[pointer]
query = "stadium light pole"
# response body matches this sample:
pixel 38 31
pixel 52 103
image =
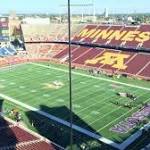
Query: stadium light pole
pixel 70 75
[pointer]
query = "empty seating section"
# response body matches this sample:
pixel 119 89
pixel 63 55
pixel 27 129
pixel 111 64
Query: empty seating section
pixel 146 29
pixel 38 32
pixel 45 33
pixel 51 32
pixel 4 123
pixel 46 50
pixel 9 136
pixel 64 53
pixel 116 36
pixel 104 30
pixel 21 135
pixel 36 146
pixel 114 41
pixel 111 35
pixel 128 58
pixel 6 51
pixel 14 137
pixel 125 40
pixel 131 42
pixel 145 71
pixel 106 65
pixel 86 38
pixel 91 53
pixel 137 63
pixel 10 60
pixel 110 60
pixel 3 61
pixel 58 47
pixel 93 61
pixel 78 51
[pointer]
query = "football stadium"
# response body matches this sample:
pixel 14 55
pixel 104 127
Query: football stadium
pixel 78 86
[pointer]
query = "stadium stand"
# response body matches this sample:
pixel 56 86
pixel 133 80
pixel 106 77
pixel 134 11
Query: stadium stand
pixel 114 42
pixel 43 50
pixel 14 136
pixel 109 60
pixel 46 33
pixel 6 51
pixel 135 37
pixel 51 32
pixel 146 29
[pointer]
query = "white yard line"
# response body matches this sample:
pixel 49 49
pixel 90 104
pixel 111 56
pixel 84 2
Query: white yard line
pixel 87 107
pixel 108 113
pixel 78 99
pixel 76 93
pixel 94 103
pixel 59 95
pixel 119 116
pixel 89 76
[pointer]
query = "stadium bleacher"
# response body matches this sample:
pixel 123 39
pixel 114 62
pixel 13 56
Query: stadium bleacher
pixel 109 59
pixel 6 51
pixel 13 136
pixel 111 35
pixel 52 32
pixel 130 37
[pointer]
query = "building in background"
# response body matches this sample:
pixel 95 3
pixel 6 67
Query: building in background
pixel 36 20
pixel 106 13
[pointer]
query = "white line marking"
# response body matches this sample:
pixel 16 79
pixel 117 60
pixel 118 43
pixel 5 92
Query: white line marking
pixel 107 114
pixel 33 91
pixel 83 82
pixel 21 87
pixel 97 86
pixel 146 65
pixel 95 112
pixel 99 78
pixel 2 80
pixel 60 100
pixel 12 83
pixel 46 95
pixel 120 116
pixel 76 106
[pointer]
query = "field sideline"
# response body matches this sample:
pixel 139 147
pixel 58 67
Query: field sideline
pixel 36 85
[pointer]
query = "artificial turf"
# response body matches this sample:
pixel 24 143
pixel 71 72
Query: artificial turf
pixel 93 97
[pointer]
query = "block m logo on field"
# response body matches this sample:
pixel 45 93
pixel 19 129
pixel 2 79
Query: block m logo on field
pixel 115 60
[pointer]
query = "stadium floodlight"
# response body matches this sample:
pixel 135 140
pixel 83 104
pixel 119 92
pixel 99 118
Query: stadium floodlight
pixel 80 5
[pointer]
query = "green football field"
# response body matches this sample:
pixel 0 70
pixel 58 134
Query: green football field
pixel 45 86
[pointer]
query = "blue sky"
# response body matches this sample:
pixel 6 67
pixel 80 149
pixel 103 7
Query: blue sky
pixel 53 6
